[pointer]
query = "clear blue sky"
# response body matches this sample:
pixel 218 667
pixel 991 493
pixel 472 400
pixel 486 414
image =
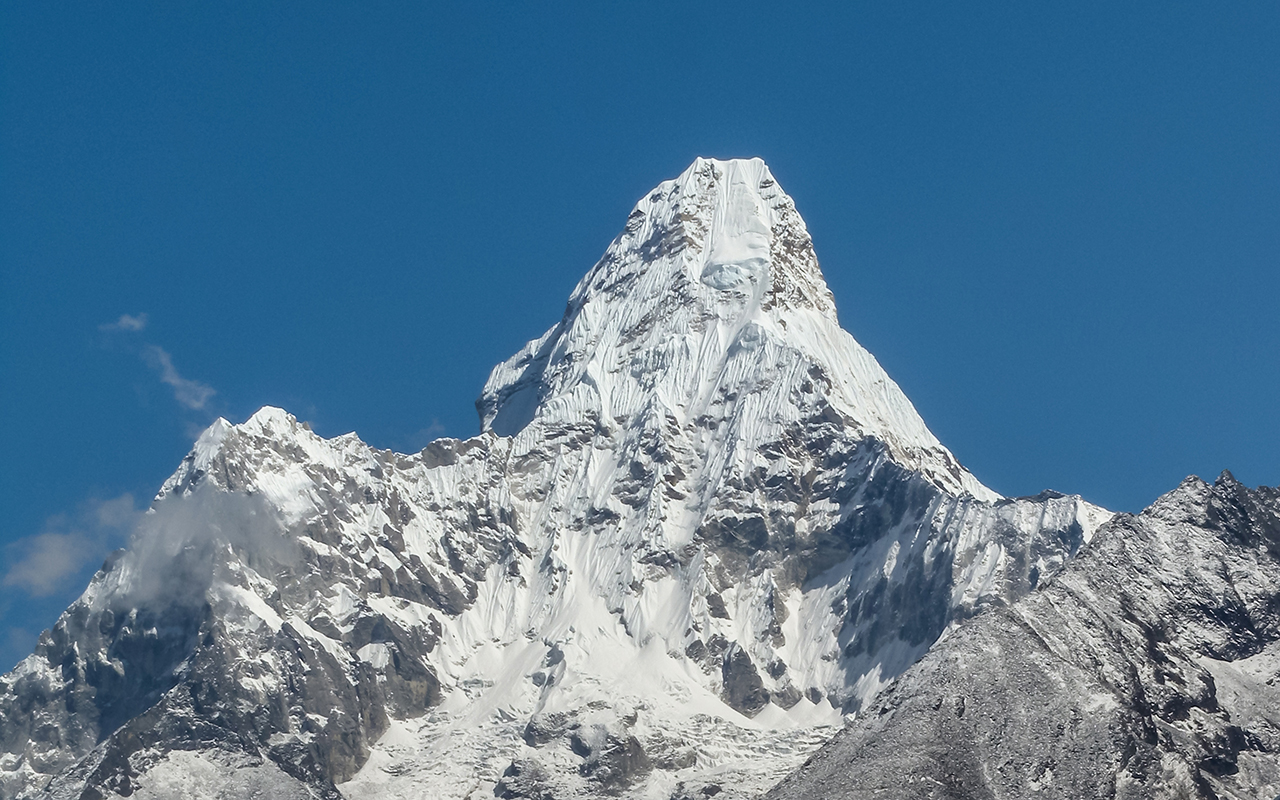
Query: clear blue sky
pixel 1056 225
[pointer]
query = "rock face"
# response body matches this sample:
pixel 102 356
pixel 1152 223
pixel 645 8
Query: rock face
pixel 699 525
pixel 1145 669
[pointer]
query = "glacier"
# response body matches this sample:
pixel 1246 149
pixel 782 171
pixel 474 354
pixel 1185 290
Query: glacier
pixel 700 528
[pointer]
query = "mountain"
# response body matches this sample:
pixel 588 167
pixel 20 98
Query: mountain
pixel 700 525
pixel 1147 668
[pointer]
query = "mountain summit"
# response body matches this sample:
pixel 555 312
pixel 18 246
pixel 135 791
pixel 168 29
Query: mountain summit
pixel 699 527
pixel 712 287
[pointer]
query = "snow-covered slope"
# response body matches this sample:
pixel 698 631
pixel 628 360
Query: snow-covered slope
pixel 1146 669
pixel 700 525
pixel 710 305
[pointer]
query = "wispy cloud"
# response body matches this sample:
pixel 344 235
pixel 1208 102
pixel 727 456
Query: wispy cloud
pixel 127 322
pixel 425 436
pixel 190 394
pixel 45 563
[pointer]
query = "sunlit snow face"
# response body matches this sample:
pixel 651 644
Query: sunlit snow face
pixel 738 256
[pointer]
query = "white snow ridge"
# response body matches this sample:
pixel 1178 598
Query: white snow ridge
pixel 699 527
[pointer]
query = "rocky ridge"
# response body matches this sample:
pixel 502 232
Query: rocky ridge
pixel 1147 668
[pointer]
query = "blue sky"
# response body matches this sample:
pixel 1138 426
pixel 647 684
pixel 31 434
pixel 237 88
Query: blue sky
pixel 1056 225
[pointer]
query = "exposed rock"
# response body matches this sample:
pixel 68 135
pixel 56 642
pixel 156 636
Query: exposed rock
pixel 525 779
pixel 743 689
pixel 1142 670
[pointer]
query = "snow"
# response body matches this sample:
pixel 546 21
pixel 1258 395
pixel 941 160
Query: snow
pixel 731 305
pixel 210 443
pixel 580 558
pixel 217 776
pixel 249 601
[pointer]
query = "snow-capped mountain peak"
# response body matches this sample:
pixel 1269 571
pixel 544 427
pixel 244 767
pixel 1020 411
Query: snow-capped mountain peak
pixel 710 302
pixel 699 525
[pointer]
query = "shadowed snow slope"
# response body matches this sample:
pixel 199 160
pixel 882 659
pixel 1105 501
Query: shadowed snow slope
pixel 700 525
pixel 1145 669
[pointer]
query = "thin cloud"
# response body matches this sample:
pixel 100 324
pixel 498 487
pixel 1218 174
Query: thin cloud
pixel 118 513
pixel 126 322
pixel 46 563
pixel 190 394
pixel 425 436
